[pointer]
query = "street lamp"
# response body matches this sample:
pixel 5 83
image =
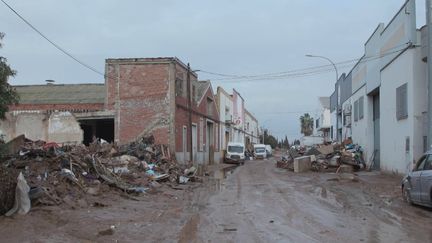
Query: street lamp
pixel 328 59
pixel 337 100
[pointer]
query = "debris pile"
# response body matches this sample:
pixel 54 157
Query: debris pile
pixel 326 156
pixel 71 173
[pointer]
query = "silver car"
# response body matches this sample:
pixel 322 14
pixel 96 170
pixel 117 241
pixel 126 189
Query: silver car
pixel 417 185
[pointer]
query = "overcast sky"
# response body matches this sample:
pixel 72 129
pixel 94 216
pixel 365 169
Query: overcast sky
pixel 240 37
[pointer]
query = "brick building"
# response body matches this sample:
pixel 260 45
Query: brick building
pixel 141 96
pixel 150 95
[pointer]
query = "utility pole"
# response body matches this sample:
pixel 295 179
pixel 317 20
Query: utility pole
pixel 190 111
pixel 429 64
pixel 337 92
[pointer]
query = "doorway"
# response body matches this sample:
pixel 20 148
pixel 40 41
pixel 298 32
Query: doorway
pixel 97 128
pixel 376 125
pixel 184 142
pixel 194 142
pixel 210 142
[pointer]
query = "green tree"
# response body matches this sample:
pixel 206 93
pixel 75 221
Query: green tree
pixel 286 142
pixel 269 139
pixel 306 124
pixel 8 94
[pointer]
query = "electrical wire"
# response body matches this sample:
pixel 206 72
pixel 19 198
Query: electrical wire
pixel 52 42
pixel 296 73
pixel 304 71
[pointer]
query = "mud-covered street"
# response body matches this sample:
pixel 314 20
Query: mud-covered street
pixel 260 203
pixel 256 202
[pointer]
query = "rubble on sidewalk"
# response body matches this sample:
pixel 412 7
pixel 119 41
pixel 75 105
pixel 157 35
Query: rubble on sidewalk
pixel 68 174
pixel 325 157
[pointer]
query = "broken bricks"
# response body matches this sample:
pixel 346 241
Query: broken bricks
pixel 57 173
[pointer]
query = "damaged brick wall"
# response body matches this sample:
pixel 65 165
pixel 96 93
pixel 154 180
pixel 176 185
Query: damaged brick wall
pixel 138 91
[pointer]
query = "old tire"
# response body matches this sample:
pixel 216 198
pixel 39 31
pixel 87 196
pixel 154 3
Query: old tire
pixel 406 195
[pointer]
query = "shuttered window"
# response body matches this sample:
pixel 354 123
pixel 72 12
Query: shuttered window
pixel 356 110
pixel 401 102
pixel 361 108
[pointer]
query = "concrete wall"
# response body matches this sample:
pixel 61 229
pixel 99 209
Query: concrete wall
pixel 64 128
pixel 362 131
pixel 251 128
pixel 347 128
pixel 225 107
pixel 333 118
pixel 409 69
pixel 59 127
pixel 383 46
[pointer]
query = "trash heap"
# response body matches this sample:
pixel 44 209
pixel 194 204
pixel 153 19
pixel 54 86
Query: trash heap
pixel 346 157
pixel 70 173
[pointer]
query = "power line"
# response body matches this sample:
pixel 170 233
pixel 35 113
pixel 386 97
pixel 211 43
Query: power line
pixel 296 73
pixel 304 71
pixel 52 42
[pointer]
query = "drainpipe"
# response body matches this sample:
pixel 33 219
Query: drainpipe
pixel 190 111
pixel 429 64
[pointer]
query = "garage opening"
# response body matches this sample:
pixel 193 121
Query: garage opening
pixel 97 128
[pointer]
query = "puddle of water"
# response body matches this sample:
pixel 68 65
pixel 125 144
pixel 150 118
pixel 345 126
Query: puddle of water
pixel 218 177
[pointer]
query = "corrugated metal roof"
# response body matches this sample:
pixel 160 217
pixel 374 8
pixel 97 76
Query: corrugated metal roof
pixel 62 94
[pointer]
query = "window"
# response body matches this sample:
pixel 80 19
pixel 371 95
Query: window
pixel 356 110
pixel 401 102
pixel 407 144
pixel 360 106
pixel 428 163
pixel 331 132
pixel 193 93
pixel 209 106
pixel 421 163
pixel 179 87
pixel 317 123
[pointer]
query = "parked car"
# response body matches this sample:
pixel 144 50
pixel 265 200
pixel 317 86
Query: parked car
pixel 417 184
pixel 269 150
pixel 235 153
pixel 260 151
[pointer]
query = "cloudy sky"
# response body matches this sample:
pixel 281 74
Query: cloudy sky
pixel 234 37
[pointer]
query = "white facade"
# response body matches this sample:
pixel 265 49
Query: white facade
pixel 406 145
pixel 392 59
pixel 248 130
pixel 322 126
pixel 251 129
pixel 311 140
pixel 347 119
pixel 333 131
pixel 225 106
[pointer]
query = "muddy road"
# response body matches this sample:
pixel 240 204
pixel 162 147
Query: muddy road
pixel 256 202
pixel 261 203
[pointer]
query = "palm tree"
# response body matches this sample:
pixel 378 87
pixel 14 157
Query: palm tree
pixel 306 124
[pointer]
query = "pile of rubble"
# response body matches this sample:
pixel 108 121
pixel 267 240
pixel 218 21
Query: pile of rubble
pixel 67 174
pixel 345 157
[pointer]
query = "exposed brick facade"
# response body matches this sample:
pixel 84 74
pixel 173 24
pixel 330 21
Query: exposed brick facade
pixel 200 113
pixel 58 107
pixel 138 91
pixel 149 96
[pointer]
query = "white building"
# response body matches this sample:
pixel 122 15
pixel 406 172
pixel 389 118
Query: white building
pixel 251 129
pixel 237 124
pixel 386 111
pixel 323 122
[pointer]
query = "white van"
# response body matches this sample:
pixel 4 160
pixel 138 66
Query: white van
pixel 269 150
pixel 235 153
pixel 260 151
